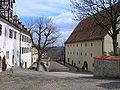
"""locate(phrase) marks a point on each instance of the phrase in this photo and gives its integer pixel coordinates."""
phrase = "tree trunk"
(115, 45)
(38, 63)
(38, 60)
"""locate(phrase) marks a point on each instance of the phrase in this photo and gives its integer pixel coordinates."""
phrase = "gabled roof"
(88, 29)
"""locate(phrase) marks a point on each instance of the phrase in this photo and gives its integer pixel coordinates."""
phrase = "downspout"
(102, 46)
(20, 51)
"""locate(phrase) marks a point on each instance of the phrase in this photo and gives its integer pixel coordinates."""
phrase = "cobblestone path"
(24, 79)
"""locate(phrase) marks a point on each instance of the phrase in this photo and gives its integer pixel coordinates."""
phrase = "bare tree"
(43, 34)
(107, 10)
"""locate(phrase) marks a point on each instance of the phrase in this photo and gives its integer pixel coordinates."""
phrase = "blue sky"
(58, 10)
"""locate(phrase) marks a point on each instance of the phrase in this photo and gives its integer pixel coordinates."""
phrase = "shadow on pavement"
(110, 85)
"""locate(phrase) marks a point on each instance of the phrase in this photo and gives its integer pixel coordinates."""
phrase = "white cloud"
(41, 7)
(64, 18)
(59, 10)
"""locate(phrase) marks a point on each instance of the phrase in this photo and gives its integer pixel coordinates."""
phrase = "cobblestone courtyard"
(24, 79)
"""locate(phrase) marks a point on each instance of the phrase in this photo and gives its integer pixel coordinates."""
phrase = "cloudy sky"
(59, 10)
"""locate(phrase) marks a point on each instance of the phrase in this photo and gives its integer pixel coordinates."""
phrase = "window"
(91, 44)
(0, 29)
(73, 45)
(7, 54)
(77, 53)
(22, 50)
(22, 37)
(79, 62)
(67, 45)
(91, 54)
(73, 53)
(85, 44)
(85, 54)
(81, 45)
(10, 33)
(27, 39)
(77, 45)
(5, 31)
(15, 35)
(81, 53)
(68, 60)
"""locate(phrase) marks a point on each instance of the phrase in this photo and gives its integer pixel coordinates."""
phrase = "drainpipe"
(102, 47)
(20, 51)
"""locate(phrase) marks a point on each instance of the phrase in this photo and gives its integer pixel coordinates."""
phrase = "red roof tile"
(87, 29)
(108, 57)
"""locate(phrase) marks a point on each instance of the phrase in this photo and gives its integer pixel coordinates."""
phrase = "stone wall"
(104, 67)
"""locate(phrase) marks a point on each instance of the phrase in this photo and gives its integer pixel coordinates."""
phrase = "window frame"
(0, 30)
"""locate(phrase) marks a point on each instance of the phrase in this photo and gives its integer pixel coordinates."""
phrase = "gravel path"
(24, 79)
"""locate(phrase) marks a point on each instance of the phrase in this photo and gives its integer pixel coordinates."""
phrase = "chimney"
(15, 19)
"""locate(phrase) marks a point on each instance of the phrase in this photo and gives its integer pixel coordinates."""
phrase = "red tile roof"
(108, 57)
(86, 30)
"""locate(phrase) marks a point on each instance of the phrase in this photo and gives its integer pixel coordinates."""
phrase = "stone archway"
(4, 65)
(13, 60)
(85, 66)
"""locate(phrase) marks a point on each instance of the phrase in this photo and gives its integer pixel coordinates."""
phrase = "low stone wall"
(107, 67)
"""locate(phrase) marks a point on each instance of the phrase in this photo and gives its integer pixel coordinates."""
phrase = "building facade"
(87, 41)
(15, 41)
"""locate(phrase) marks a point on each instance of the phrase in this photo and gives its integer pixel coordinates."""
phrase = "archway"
(4, 65)
(13, 59)
(85, 66)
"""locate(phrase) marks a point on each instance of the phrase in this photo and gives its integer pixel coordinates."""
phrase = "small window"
(77, 53)
(5, 31)
(68, 52)
(0, 29)
(27, 39)
(15, 35)
(85, 54)
(7, 54)
(81, 45)
(81, 53)
(10, 33)
(22, 37)
(91, 44)
(91, 54)
(73, 45)
(79, 62)
(68, 60)
(67, 45)
(22, 50)
(85, 44)
(77, 45)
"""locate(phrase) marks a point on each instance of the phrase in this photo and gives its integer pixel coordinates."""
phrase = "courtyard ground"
(24, 79)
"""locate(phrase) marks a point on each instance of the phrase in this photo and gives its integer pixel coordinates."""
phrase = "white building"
(15, 41)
